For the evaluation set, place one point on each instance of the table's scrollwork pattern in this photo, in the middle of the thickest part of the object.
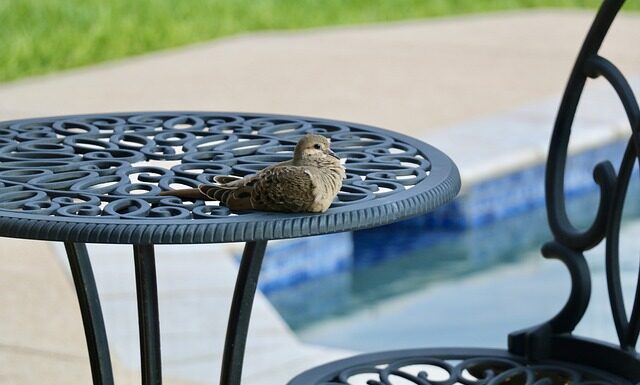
(114, 166)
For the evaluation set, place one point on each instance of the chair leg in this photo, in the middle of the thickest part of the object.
(240, 313)
(92, 319)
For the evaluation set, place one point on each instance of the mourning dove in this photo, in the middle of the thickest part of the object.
(307, 183)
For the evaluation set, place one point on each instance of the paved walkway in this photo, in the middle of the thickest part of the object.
(414, 77)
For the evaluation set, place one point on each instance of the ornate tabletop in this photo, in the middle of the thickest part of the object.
(96, 178)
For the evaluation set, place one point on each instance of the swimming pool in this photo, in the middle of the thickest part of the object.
(471, 288)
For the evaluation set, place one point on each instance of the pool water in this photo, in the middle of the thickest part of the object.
(415, 288)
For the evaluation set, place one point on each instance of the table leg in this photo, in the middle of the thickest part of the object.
(148, 316)
(240, 313)
(91, 311)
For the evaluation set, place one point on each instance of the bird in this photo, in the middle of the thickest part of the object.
(307, 183)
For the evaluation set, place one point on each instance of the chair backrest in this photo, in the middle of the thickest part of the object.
(553, 339)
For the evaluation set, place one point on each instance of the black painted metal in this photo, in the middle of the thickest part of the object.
(240, 313)
(96, 178)
(91, 312)
(548, 353)
(570, 243)
(468, 366)
(148, 316)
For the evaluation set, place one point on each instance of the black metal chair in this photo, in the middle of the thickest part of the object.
(548, 353)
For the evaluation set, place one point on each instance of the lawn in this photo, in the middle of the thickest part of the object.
(40, 36)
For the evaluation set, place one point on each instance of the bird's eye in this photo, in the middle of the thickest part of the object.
(317, 146)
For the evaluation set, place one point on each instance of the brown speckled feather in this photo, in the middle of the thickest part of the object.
(285, 188)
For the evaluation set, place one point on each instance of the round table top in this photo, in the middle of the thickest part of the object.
(96, 178)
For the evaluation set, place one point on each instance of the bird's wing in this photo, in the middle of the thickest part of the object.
(237, 181)
(270, 167)
(283, 188)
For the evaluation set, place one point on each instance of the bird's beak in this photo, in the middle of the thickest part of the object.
(333, 154)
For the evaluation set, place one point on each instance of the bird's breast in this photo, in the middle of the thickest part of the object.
(326, 188)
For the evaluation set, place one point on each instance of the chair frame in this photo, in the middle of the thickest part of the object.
(547, 353)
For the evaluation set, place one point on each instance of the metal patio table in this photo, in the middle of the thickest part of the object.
(96, 178)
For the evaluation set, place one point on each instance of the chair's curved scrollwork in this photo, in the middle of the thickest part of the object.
(569, 243)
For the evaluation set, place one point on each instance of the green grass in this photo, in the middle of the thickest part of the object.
(40, 36)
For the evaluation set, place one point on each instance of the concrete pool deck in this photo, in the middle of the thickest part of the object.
(422, 78)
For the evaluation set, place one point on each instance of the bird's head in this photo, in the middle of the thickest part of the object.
(313, 147)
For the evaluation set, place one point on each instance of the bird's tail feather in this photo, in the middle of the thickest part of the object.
(230, 194)
(225, 179)
(236, 198)
(189, 193)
